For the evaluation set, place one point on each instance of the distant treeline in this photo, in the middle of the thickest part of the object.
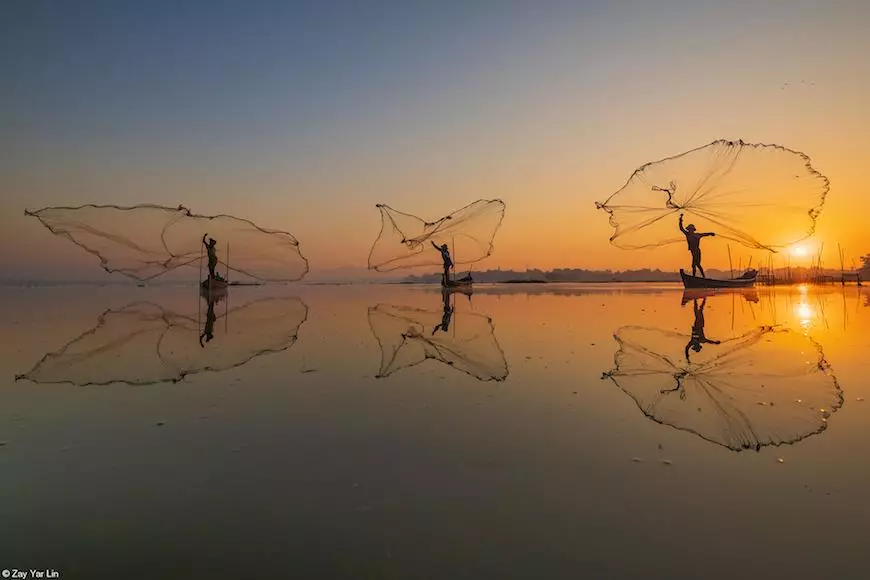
(558, 275)
(641, 275)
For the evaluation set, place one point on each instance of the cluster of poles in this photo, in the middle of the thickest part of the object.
(815, 274)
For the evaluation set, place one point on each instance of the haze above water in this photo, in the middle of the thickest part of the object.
(550, 431)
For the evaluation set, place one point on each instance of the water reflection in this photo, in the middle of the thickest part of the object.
(748, 294)
(767, 386)
(145, 343)
(210, 317)
(698, 338)
(463, 340)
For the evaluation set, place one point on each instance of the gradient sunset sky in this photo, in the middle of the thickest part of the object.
(301, 116)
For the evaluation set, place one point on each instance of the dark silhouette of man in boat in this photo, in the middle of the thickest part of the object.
(448, 262)
(448, 314)
(699, 339)
(693, 239)
(211, 249)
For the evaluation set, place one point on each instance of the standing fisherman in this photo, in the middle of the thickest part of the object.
(448, 263)
(694, 240)
(211, 249)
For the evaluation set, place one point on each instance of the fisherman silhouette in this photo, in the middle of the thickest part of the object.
(448, 262)
(693, 239)
(211, 249)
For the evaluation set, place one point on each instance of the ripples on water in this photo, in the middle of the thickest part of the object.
(390, 431)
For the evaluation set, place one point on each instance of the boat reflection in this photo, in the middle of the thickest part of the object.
(146, 343)
(464, 341)
(690, 294)
(766, 386)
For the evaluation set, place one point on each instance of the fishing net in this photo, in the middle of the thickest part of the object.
(409, 336)
(144, 343)
(770, 386)
(405, 241)
(147, 241)
(762, 196)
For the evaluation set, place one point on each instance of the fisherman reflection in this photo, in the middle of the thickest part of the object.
(448, 314)
(210, 318)
(698, 339)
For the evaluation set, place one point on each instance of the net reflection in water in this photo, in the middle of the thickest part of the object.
(770, 386)
(145, 343)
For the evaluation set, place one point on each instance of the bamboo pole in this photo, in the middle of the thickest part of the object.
(199, 291)
(730, 263)
(453, 251)
(842, 265)
(209, 285)
(453, 309)
(733, 298)
(226, 290)
(821, 273)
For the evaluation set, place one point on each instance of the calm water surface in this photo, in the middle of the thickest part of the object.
(379, 432)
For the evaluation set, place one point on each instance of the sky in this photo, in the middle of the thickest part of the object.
(301, 116)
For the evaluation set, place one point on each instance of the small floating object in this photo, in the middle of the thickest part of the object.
(636, 460)
(161, 423)
(860, 399)
(667, 462)
(780, 460)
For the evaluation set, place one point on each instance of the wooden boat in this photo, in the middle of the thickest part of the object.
(745, 281)
(213, 286)
(465, 282)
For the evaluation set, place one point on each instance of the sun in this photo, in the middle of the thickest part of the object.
(799, 251)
